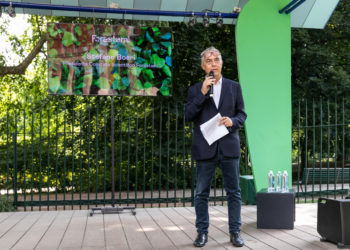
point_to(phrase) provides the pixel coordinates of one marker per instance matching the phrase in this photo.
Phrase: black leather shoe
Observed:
(201, 239)
(236, 239)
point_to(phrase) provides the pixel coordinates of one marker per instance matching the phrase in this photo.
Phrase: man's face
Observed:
(211, 61)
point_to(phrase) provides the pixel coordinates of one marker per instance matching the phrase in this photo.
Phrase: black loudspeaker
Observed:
(333, 221)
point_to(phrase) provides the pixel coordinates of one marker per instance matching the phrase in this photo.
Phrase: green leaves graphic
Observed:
(68, 39)
(54, 84)
(87, 58)
(159, 62)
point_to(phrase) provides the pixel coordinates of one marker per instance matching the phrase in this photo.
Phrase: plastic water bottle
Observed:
(271, 182)
(285, 181)
(278, 181)
(348, 197)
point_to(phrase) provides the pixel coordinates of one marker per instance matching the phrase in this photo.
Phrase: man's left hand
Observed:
(226, 121)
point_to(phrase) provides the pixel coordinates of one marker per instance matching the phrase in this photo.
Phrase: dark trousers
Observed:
(230, 171)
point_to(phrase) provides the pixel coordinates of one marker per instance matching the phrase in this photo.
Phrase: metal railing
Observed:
(59, 155)
(321, 148)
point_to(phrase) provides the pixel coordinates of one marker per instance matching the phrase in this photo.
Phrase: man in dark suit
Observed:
(228, 101)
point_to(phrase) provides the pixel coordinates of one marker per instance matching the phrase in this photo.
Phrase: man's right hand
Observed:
(207, 83)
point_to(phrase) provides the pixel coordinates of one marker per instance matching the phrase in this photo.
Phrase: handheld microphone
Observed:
(211, 91)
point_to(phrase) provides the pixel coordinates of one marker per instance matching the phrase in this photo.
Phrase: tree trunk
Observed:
(21, 68)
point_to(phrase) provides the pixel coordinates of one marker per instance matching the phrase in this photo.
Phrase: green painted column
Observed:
(263, 41)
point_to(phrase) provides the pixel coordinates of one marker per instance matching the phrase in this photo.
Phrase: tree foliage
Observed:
(320, 67)
(320, 81)
(320, 58)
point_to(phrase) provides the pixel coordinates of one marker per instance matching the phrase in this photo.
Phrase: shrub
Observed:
(6, 205)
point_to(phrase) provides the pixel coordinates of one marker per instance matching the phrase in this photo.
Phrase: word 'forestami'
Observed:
(109, 39)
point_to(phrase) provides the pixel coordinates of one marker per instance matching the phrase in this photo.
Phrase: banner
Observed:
(87, 59)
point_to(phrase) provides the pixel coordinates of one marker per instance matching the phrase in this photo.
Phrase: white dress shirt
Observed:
(217, 92)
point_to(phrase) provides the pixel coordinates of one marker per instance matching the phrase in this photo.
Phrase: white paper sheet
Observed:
(212, 131)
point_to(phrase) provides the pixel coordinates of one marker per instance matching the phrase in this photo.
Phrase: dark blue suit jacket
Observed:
(200, 108)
